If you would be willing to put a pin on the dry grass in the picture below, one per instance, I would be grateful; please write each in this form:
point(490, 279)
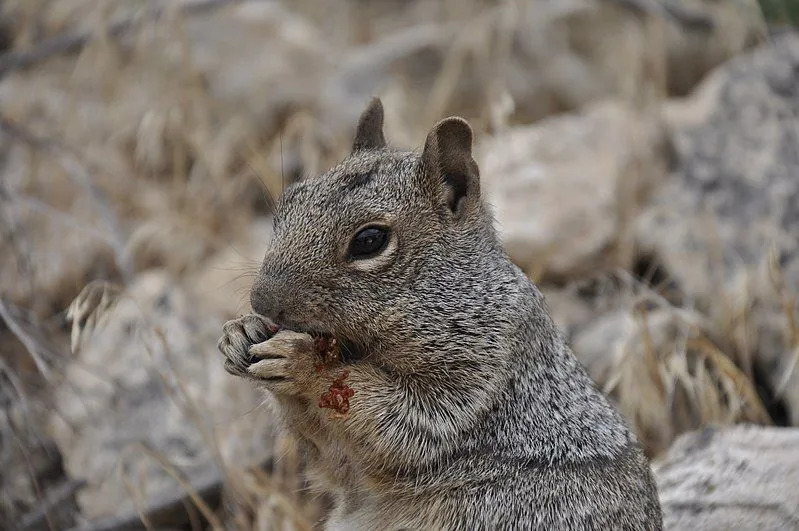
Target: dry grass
point(667, 372)
point(140, 151)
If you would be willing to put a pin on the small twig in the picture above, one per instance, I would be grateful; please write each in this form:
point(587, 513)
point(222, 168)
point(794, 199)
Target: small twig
point(55, 497)
point(89, 308)
point(136, 499)
point(673, 13)
point(75, 42)
point(178, 476)
point(27, 341)
point(168, 512)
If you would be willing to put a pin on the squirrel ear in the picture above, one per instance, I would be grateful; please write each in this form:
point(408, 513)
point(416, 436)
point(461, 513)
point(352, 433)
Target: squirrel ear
point(448, 164)
point(369, 134)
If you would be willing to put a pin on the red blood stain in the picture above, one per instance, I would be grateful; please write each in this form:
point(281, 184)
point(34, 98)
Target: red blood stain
point(337, 398)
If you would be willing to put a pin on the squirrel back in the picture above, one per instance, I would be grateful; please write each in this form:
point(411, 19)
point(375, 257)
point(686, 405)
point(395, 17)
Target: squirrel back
point(469, 410)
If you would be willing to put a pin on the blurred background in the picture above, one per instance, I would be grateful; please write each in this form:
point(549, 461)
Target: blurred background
point(642, 157)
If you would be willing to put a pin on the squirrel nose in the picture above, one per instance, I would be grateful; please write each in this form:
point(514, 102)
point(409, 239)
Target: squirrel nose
point(263, 303)
point(264, 300)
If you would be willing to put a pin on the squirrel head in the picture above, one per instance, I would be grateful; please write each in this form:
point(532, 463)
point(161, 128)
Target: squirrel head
point(382, 236)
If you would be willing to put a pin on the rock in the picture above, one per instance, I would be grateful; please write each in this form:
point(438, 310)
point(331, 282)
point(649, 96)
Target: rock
point(742, 477)
point(148, 386)
point(249, 55)
point(736, 161)
point(725, 225)
point(564, 190)
point(706, 34)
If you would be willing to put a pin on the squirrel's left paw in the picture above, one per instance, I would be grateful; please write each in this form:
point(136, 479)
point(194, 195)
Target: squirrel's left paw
point(238, 336)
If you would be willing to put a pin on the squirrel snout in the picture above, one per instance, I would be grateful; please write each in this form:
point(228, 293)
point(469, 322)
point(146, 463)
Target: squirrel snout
point(264, 302)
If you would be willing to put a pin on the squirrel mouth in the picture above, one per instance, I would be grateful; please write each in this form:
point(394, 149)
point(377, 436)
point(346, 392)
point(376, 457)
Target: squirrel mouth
point(348, 350)
point(316, 334)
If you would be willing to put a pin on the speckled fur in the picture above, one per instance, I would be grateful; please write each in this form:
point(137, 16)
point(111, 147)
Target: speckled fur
point(470, 412)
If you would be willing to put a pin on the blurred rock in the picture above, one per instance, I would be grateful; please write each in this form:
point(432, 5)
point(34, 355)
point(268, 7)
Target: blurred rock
point(726, 224)
point(260, 56)
point(149, 385)
point(743, 477)
point(565, 190)
point(705, 34)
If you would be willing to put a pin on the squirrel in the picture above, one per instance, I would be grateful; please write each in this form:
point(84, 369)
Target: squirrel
point(464, 406)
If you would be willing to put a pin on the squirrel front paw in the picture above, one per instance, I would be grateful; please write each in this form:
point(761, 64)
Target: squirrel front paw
point(238, 336)
point(283, 363)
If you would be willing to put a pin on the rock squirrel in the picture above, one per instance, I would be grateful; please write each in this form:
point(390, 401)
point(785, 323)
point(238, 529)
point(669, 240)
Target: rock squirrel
point(465, 408)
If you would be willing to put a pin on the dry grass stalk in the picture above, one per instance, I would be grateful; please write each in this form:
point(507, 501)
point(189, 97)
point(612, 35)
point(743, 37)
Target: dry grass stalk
point(164, 463)
point(788, 302)
point(89, 309)
point(38, 352)
point(669, 377)
point(741, 397)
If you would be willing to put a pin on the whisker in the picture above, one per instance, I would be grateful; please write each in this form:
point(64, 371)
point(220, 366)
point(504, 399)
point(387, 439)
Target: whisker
point(269, 198)
point(244, 267)
point(282, 172)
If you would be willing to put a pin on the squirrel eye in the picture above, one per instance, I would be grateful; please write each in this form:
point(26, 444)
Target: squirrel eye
point(368, 242)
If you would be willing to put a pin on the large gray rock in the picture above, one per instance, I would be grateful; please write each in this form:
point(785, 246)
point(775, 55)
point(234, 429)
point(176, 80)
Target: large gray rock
point(565, 189)
point(726, 224)
point(743, 477)
point(737, 158)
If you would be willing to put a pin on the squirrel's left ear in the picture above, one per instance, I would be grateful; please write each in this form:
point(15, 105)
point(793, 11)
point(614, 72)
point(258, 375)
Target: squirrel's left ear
point(369, 134)
point(449, 170)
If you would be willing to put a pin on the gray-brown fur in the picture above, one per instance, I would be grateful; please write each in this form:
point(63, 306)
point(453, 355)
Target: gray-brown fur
point(470, 411)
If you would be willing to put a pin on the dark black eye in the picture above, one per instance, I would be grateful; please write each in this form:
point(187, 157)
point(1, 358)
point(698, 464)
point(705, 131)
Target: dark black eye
point(368, 242)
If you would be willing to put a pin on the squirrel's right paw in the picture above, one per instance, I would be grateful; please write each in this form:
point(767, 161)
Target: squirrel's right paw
point(238, 336)
point(285, 363)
